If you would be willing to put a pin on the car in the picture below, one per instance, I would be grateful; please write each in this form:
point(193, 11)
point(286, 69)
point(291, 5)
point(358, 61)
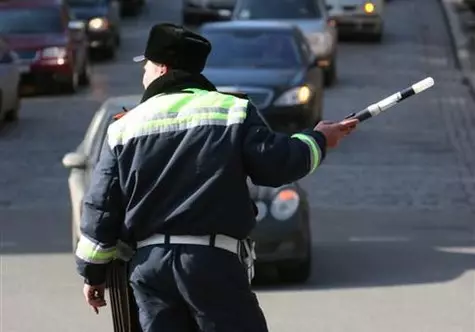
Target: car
point(310, 16)
point(282, 235)
point(196, 12)
point(51, 47)
point(102, 20)
point(272, 63)
point(9, 83)
point(358, 17)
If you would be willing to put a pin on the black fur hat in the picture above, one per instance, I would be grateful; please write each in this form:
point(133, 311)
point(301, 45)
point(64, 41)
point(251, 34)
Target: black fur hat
point(177, 47)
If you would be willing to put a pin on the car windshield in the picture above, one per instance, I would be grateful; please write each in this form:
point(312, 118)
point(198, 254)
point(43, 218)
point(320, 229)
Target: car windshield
point(30, 20)
point(252, 49)
point(282, 9)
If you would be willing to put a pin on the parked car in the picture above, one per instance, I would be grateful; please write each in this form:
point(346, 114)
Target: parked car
point(361, 17)
point(9, 83)
point(102, 20)
point(273, 64)
point(52, 48)
point(200, 11)
point(282, 234)
point(310, 16)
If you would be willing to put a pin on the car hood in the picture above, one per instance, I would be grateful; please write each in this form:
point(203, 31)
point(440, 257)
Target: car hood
point(87, 12)
point(33, 41)
point(253, 77)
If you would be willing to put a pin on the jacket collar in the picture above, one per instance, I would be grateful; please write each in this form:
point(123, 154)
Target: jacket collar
point(176, 81)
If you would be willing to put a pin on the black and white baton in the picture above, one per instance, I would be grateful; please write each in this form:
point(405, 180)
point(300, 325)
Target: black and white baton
point(384, 104)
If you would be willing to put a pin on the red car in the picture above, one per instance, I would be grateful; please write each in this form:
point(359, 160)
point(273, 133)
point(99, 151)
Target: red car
point(53, 49)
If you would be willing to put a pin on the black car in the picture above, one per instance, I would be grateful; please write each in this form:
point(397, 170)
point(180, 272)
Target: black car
point(102, 19)
point(273, 64)
point(199, 11)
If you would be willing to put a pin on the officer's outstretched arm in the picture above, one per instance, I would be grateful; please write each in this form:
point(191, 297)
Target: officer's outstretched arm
point(102, 217)
point(275, 159)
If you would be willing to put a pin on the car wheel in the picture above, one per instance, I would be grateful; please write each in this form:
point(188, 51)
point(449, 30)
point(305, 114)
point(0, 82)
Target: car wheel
point(330, 74)
point(73, 84)
point(85, 77)
point(12, 114)
point(297, 272)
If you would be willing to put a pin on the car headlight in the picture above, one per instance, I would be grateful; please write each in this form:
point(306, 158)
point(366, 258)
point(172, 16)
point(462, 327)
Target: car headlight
point(98, 23)
point(285, 204)
point(320, 42)
point(296, 96)
point(368, 8)
point(54, 52)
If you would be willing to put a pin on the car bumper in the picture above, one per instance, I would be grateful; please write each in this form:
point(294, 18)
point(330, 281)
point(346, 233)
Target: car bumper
point(101, 39)
point(282, 241)
point(358, 24)
point(42, 74)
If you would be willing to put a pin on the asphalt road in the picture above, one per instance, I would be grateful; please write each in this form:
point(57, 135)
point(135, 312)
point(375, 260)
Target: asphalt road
point(393, 208)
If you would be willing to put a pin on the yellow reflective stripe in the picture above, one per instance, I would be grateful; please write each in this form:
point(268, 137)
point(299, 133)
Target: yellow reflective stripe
point(94, 253)
point(186, 112)
point(315, 153)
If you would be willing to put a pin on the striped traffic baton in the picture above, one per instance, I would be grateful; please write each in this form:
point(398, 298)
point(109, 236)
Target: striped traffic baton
point(123, 306)
point(384, 104)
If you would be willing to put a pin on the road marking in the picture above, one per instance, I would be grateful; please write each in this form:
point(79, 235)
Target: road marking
point(379, 239)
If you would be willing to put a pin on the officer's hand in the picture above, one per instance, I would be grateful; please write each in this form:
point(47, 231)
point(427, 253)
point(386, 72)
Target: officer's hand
point(335, 131)
point(95, 296)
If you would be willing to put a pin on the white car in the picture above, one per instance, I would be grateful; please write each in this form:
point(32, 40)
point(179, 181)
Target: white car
point(360, 17)
point(9, 83)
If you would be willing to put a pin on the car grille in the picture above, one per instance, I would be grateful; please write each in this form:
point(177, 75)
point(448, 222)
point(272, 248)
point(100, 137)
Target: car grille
point(26, 54)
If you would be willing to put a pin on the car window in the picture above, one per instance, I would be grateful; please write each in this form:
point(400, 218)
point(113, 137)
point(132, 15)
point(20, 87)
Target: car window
point(40, 20)
point(282, 9)
point(253, 49)
point(92, 132)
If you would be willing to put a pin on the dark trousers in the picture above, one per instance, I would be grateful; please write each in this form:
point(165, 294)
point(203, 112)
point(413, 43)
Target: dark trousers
point(188, 288)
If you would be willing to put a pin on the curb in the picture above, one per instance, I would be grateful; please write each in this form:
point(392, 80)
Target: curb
point(459, 43)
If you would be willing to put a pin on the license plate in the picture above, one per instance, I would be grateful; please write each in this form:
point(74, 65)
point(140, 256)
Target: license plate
point(24, 69)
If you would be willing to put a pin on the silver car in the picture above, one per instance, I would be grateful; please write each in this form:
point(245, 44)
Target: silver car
point(9, 83)
point(283, 237)
point(310, 16)
point(362, 17)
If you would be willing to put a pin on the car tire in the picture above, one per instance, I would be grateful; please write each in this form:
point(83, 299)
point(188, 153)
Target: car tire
point(330, 75)
point(85, 76)
point(73, 84)
point(13, 114)
point(297, 272)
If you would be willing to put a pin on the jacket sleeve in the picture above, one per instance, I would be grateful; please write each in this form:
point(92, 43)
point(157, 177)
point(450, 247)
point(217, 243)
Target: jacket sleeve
point(101, 220)
point(274, 159)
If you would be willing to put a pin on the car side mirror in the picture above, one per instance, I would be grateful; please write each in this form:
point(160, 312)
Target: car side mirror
point(76, 26)
point(74, 160)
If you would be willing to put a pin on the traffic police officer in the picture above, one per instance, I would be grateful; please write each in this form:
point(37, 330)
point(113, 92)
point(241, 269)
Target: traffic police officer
point(171, 182)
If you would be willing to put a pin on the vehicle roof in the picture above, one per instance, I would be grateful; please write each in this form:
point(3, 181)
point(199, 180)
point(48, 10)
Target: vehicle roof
point(250, 24)
point(29, 3)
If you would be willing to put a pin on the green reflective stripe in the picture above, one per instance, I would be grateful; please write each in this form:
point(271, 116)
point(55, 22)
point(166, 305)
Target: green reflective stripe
point(315, 153)
point(93, 253)
point(178, 113)
point(175, 108)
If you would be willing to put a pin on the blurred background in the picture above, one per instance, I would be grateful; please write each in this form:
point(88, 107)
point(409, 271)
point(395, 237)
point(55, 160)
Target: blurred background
point(380, 238)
